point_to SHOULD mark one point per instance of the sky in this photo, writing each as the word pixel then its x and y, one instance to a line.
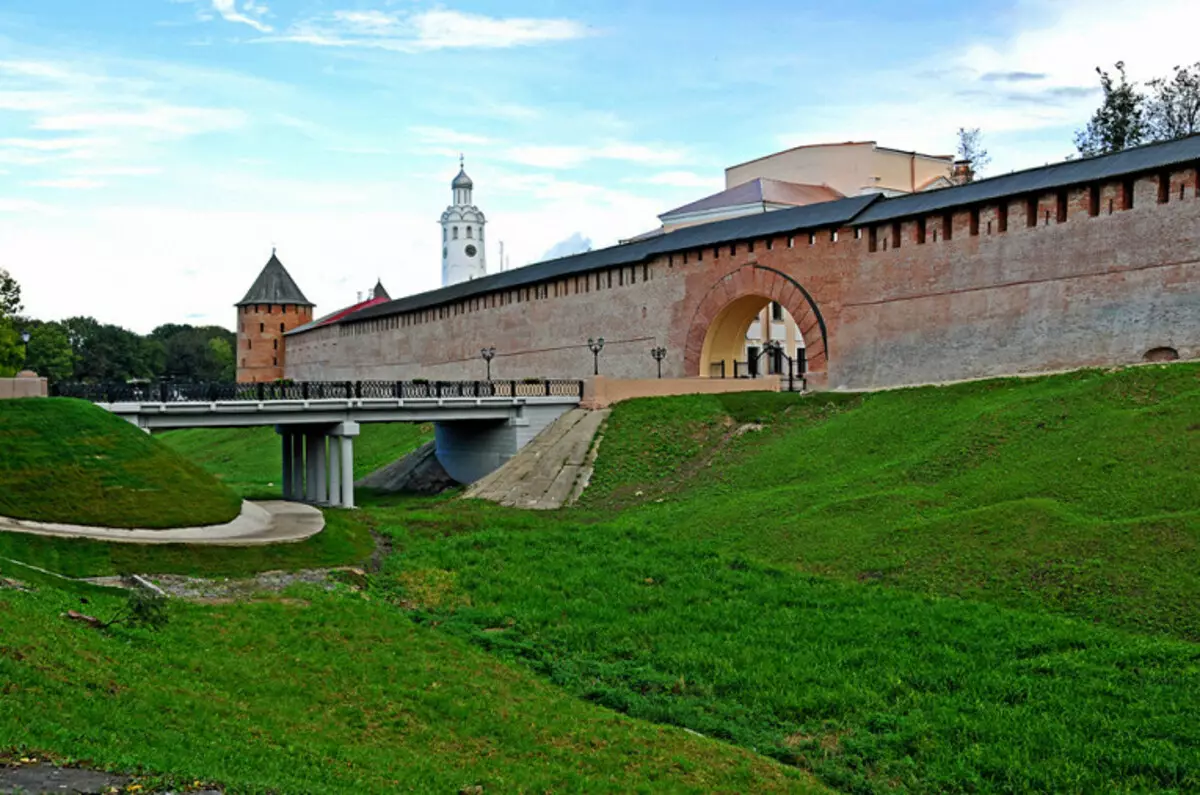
pixel 153 152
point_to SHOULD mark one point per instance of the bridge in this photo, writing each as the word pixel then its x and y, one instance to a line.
pixel 478 425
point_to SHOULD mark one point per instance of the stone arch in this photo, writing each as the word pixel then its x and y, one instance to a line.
pixel 726 310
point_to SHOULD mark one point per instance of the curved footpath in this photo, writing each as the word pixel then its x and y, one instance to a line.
pixel 259 523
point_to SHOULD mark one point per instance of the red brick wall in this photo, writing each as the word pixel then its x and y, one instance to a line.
pixel 260 342
pixel 1086 291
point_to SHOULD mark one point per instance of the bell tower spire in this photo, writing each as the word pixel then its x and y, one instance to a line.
pixel 464 255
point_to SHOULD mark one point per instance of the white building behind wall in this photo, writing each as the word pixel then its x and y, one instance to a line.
pixel 464 250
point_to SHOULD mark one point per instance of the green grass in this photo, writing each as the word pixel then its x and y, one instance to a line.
pixel 68 461
pixel 988 587
pixel 329 693
pixel 249 459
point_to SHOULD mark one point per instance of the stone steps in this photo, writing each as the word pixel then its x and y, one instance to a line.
pixel 551 470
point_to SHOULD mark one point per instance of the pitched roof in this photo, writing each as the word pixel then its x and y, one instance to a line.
pixel 274 285
pixel 856 210
pixel 812 216
pixel 1034 180
pixel 379 291
pixel 760 191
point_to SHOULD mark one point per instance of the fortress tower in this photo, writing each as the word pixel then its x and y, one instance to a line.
pixel 463 247
pixel 273 306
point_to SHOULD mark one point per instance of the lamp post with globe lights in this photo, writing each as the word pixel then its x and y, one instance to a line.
pixel 659 354
pixel 488 354
pixel 595 346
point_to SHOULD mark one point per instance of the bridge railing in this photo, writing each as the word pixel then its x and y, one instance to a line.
pixel 174 392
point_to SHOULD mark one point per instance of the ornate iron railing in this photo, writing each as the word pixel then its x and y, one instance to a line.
pixel 172 392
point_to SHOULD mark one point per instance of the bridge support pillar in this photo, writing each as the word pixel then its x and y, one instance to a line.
pixel 312 442
pixel 335 471
pixel 343 436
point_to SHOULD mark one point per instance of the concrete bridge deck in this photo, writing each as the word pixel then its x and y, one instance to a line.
pixel 478 425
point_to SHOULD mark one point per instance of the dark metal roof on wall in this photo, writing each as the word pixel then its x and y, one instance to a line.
pixel 812 216
pixel 1036 180
pixel 856 211
pixel 274 285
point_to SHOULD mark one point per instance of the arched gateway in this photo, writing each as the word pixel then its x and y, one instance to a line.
pixel 718 328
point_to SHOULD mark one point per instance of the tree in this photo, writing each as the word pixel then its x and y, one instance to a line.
pixel 12 350
pixel 221 356
pixel 49 352
pixel 1118 123
pixel 1173 108
pixel 10 295
pixel 970 149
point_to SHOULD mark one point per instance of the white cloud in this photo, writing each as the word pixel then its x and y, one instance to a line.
pixel 573 155
pixel 434 29
pixel 446 136
pixel 165 119
pixel 575 244
pixel 682 179
pixel 1035 80
pixel 229 12
pixel 68 183
pixel 46 144
pixel 118 171
pixel 24 206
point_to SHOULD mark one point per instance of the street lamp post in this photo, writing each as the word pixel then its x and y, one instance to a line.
pixel 595 346
pixel 659 354
pixel 488 354
pixel 25 337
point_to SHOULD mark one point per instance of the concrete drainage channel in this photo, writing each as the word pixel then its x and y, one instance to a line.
pixel 33 776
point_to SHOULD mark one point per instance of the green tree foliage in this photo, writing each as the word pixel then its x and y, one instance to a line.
pixel 49 351
pixel 970 149
pixel 109 353
pixel 12 350
pixel 1118 123
pixel 10 294
pixel 1173 107
pixel 221 355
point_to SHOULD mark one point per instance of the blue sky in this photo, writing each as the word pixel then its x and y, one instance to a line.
pixel 153 151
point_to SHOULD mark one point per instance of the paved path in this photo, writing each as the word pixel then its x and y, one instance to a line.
pixel 260 523
pixel 550 471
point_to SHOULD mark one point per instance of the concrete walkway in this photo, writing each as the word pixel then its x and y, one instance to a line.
pixel 260 523
pixel 550 471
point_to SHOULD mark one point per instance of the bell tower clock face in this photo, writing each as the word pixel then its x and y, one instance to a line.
pixel 470 250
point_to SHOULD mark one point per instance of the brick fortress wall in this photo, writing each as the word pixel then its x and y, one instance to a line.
pixel 1093 275
pixel 260 340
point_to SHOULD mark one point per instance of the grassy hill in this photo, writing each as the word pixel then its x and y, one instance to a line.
pixel 987 587
pixel 68 461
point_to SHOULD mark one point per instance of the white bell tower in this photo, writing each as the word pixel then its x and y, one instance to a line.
pixel 464 254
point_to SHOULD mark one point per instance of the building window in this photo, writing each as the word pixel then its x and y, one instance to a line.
pixel 974 222
pixel 1062 206
pixel 262 327
pixel 699 255
pixel 1031 211
pixel 455 233
pixel 858 233
pixel 275 360
pixel 750 246
pixel 895 234
pixel 812 238
pixel 791 241
pixel 469 232
pixel 770 243
pixel 274 345
pixel 1164 188
pixel 920 231
pixel 872 240
pixel 281 327
pixel 445 234
pixel 716 252
pixel 947 226
pixel 1127 195
pixel 833 236
pixel 732 249
pixel 776 312
pixel 1002 218
pixel 249 344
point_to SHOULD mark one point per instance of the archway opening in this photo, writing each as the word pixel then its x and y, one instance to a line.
pixel 734 339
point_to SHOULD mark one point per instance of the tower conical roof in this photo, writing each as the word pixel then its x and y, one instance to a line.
pixel 274 285
pixel 380 291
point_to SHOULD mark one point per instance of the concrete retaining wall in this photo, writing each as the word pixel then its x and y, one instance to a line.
pixel 600 392
pixel 23 386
